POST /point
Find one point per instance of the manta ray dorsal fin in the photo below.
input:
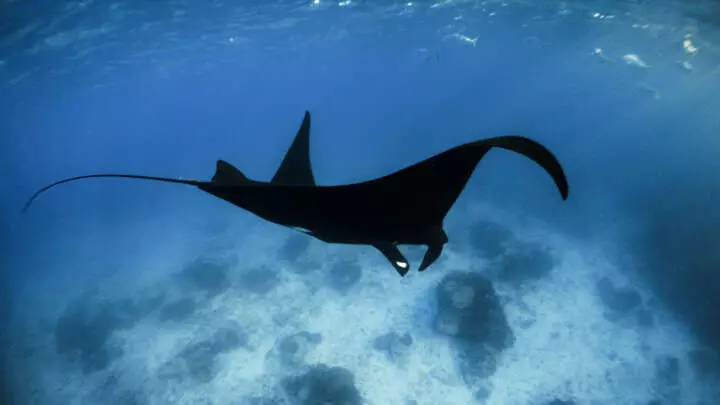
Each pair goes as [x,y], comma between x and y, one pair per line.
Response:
[225,173]
[295,169]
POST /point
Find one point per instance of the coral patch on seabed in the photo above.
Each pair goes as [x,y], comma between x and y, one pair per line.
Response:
[322,384]
[489,239]
[292,350]
[525,263]
[206,276]
[469,313]
[343,275]
[396,347]
[83,333]
[197,361]
[259,280]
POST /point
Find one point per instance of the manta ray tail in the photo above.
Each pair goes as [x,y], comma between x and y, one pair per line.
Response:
[125,176]
[225,174]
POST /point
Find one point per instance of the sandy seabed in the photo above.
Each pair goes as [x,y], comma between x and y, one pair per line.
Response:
[566,347]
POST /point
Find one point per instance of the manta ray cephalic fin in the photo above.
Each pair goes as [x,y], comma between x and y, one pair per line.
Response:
[394,256]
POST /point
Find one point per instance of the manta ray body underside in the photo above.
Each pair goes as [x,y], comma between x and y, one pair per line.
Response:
[407,207]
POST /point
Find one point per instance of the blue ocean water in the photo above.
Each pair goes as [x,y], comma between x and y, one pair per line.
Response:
[116,291]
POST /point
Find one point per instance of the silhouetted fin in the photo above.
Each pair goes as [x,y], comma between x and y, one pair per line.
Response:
[295,169]
[433,252]
[437,240]
[125,176]
[394,256]
[538,153]
[425,192]
[227,174]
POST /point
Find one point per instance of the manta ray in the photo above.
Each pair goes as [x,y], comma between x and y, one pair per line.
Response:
[407,207]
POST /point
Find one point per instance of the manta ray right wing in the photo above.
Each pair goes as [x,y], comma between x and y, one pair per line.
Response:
[419,197]
[538,154]
[295,169]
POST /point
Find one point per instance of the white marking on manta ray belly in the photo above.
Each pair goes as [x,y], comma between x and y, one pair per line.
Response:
[297,228]
[402,265]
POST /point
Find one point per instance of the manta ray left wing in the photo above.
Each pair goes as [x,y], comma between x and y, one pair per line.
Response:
[295,169]
[421,195]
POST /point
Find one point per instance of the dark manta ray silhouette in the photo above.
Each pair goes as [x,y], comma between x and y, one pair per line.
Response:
[405,207]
